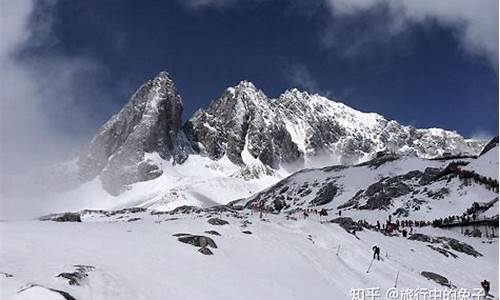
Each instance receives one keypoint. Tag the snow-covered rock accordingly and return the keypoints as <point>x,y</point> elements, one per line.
<point>299,127</point>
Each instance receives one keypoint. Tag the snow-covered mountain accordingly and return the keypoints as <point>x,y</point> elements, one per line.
<point>243,142</point>
<point>227,192</point>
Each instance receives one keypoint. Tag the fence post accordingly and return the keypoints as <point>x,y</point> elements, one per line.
<point>396,282</point>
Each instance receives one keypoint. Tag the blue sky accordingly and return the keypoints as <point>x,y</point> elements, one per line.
<point>425,63</point>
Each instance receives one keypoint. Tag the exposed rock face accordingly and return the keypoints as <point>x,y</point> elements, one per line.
<point>298,125</point>
<point>325,194</point>
<point>491,144</point>
<point>149,123</point>
<point>446,243</point>
<point>243,118</point>
<point>62,217</point>
<point>380,195</point>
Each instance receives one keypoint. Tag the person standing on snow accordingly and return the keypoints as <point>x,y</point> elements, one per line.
<point>485,284</point>
<point>376,252</point>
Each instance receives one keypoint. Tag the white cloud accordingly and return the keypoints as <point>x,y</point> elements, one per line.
<point>481,134</point>
<point>475,23</point>
<point>38,93</point>
<point>300,77</point>
<point>35,90</point>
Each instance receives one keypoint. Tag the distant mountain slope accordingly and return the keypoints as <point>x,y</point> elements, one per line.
<point>407,187</point>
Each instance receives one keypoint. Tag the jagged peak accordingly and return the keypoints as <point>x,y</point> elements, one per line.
<point>163,76</point>
<point>301,96</point>
<point>246,91</point>
<point>158,88</point>
<point>294,93</point>
<point>245,84</point>
<point>161,82</point>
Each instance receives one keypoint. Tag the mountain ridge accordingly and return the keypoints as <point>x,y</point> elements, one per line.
<point>256,132</point>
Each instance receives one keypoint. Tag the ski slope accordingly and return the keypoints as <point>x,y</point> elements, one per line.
<point>281,259</point>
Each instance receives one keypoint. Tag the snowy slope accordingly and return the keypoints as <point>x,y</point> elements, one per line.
<point>199,181</point>
<point>486,164</point>
<point>406,187</point>
<point>281,259</point>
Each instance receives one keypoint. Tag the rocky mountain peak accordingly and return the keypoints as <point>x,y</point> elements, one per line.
<point>294,94</point>
<point>245,84</point>
<point>160,94</point>
<point>149,123</point>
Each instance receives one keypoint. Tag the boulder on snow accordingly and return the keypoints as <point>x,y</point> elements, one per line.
<point>422,238</point>
<point>347,223</point>
<point>217,221</point>
<point>6,274</point>
<point>206,251</point>
<point>212,232</point>
<point>180,234</point>
<point>185,209</point>
<point>437,278</point>
<point>197,240</point>
<point>76,277</point>
<point>443,251</point>
<point>462,247</point>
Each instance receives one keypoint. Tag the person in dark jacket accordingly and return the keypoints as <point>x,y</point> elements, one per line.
<point>485,284</point>
<point>376,252</point>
